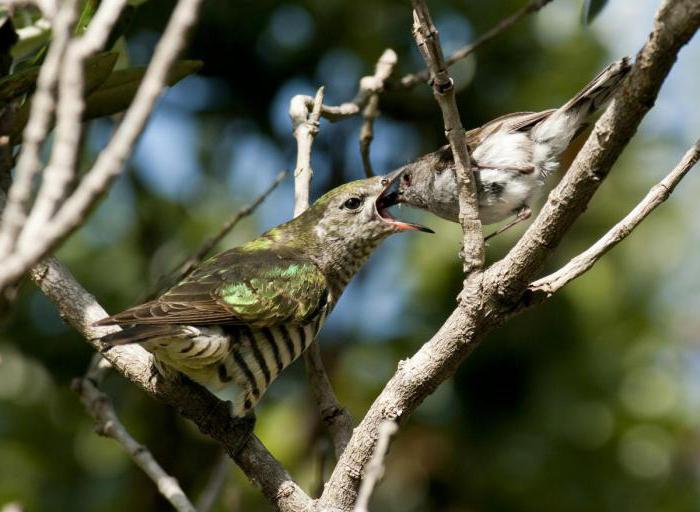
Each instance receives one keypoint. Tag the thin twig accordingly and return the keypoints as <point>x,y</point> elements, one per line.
<point>186,267</point>
<point>305,130</point>
<point>375,84</point>
<point>107,424</point>
<point>375,467</point>
<point>336,417</point>
<point>69,127</point>
<point>43,104</point>
<point>215,484</point>
<point>412,79</point>
<point>110,163</point>
<point>584,261</point>
<point>428,42</point>
<point>301,105</point>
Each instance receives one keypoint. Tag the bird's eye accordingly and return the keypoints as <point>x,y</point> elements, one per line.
<point>353,203</point>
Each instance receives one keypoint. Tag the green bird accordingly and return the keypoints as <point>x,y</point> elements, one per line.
<point>247,313</point>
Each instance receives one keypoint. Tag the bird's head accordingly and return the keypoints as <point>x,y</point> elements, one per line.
<point>358,212</point>
<point>430,183</point>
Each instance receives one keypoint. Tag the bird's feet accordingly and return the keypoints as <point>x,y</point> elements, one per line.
<point>522,214</point>
<point>241,428</point>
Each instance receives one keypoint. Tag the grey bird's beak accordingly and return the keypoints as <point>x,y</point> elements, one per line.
<point>390,197</point>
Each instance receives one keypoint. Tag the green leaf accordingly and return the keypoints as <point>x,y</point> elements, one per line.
<point>86,14</point>
<point>591,9</point>
<point>97,69</point>
<point>117,92</point>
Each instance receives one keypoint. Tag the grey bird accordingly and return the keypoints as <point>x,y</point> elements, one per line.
<point>247,313</point>
<point>512,157</point>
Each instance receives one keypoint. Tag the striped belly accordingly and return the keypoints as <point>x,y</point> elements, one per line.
<point>249,358</point>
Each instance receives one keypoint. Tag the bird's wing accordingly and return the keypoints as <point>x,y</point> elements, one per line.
<point>512,122</point>
<point>258,288</point>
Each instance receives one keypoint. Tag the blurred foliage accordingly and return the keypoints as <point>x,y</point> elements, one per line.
<point>589,402</point>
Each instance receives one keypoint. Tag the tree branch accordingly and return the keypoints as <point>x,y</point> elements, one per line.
<point>215,484</point>
<point>375,468</point>
<point>211,415</point>
<point>438,359</point>
<point>428,41</point>
<point>43,103</point>
<point>659,193</point>
<point>674,24</point>
<point>109,164</point>
<point>335,416</point>
<point>375,84</point>
<point>412,79</point>
<point>107,424</point>
<point>69,127</point>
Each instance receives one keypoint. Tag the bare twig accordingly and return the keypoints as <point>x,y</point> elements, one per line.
<point>107,424</point>
<point>375,84</point>
<point>186,267</point>
<point>215,484</point>
<point>70,106</point>
<point>584,261</point>
<point>428,42</point>
<point>368,85</point>
<point>111,160</point>
<point>211,415</point>
<point>413,79</point>
<point>305,129</point>
<point>375,467</point>
<point>336,417</point>
<point>43,103</point>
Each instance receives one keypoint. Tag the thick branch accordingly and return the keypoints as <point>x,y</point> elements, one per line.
<point>675,23</point>
<point>583,262</point>
<point>211,415</point>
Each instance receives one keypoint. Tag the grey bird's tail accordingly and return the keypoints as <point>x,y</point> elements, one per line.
<point>560,127</point>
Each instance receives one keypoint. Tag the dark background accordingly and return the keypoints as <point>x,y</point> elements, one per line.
<point>590,402</point>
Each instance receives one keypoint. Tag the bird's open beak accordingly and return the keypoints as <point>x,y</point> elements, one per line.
<point>390,197</point>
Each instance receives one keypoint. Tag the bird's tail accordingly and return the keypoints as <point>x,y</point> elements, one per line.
<point>140,334</point>
<point>565,122</point>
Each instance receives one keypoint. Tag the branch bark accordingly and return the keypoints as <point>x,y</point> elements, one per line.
<point>107,424</point>
<point>674,24</point>
<point>659,193</point>
<point>412,79</point>
<point>333,415</point>
<point>109,164</point>
<point>211,415</point>
<point>438,359</point>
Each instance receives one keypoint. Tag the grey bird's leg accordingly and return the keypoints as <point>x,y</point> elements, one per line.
<point>522,214</point>
<point>521,169</point>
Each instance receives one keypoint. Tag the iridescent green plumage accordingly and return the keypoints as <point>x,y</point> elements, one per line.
<point>248,312</point>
